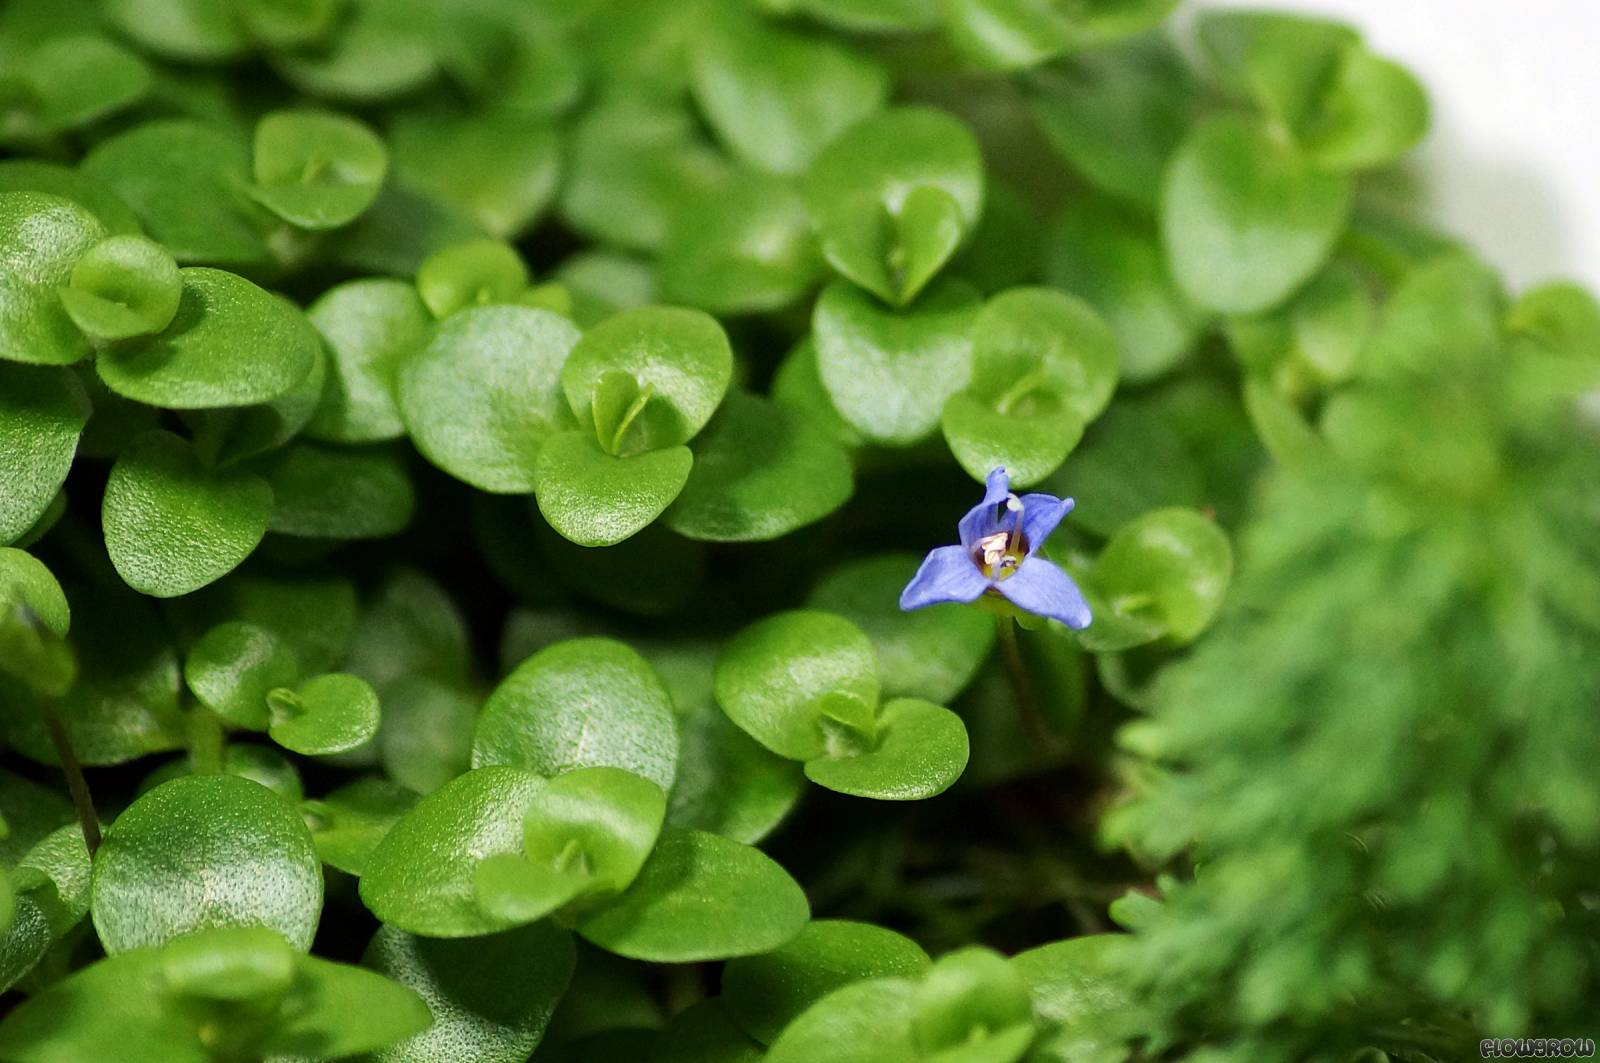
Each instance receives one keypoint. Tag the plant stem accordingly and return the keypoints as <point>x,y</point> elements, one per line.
<point>1033,721</point>
<point>77,786</point>
<point>205,741</point>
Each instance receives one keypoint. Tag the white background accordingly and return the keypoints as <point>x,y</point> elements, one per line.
<point>1513,161</point>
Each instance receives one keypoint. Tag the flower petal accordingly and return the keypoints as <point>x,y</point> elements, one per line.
<point>1040,515</point>
<point>983,518</point>
<point>1044,590</point>
<point>947,575</point>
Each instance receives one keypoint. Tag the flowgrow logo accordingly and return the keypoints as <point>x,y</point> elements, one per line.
<point>1537,1048</point>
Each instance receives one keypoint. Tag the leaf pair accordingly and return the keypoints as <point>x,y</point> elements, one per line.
<point>252,679</point>
<point>805,685</point>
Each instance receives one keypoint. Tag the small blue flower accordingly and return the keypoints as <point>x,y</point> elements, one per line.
<point>999,537</point>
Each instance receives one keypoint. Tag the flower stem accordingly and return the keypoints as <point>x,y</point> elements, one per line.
<point>77,785</point>
<point>1033,721</point>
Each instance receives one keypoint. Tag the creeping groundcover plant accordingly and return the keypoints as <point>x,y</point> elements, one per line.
<point>489,569</point>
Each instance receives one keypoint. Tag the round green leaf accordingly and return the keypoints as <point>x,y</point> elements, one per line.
<point>200,852</point>
<point>918,750</point>
<point>764,994</point>
<point>596,499</point>
<point>870,16</point>
<point>42,413</point>
<point>1130,462</point>
<point>1174,563</point>
<point>930,653</point>
<point>701,897</point>
<point>316,170</point>
<point>171,525</point>
<point>231,344</point>
<point>328,493</point>
<point>577,704</point>
<point>1031,444</point>
<point>41,237</point>
<point>1117,114</point>
<point>1112,259</point>
<point>760,471</point>
<point>258,763</point>
<point>798,386</point>
<point>746,247</point>
<point>481,397</point>
<point>727,783</point>
<point>370,327</point>
<point>789,679</point>
<point>235,433</point>
<point>420,878</point>
<point>893,197</point>
<point>426,736</point>
<point>26,583</point>
<point>183,179</point>
<point>234,666</point>
<point>348,823</point>
<point>77,80</point>
<point>499,168</point>
<point>974,1003</point>
<point>1031,340</point>
<point>122,287</point>
<point>889,372</point>
<point>411,628</point>
<point>1282,62</point>
<point>190,31</point>
<point>330,713</point>
<point>336,1011</point>
<point>383,51</point>
<point>776,96</point>
<point>703,1033</point>
<point>864,1022</point>
<point>491,997</point>
<point>1245,219</point>
<point>1074,983</point>
<point>679,360</point>
<point>1373,112</point>
<point>472,273</point>
<point>313,612</point>
<point>34,175</point>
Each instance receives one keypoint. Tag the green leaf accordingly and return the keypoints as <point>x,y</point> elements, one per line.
<point>258,763</point>
<point>491,996</point>
<point>1282,62</point>
<point>918,750</point>
<point>284,25</point>
<point>1116,115</point>
<point>26,583</point>
<point>931,653</point>
<point>67,182</point>
<point>727,783</point>
<point>889,372</point>
<point>233,434</point>
<point>335,1011</point>
<point>311,611</point>
<point>370,327</point>
<point>679,358</point>
<point>760,472</point>
<point>122,287</point>
<point>578,704</point>
<point>500,168</point>
<point>893,197</point>
<point>347,824</point>
<point>426,736</point>
<point>1373,112</point>
<point>47,893</point>
<point>331,493</point>
<point>585,838</point>
<point>473,273</point>
<point>1009,34</point>
<point>327,714</point>
<point>596,499</point>
<point>1043,366</point>
<point>774,96</point>
<point>864,1022</point>
<point>234,667</point>
<point>746,247</point>
<point>231,344</point>
<point>1130,462</point>
<point>1175,564</point>
<point>1245,219</point>
<point>798,386</point>
<point>190,31</point>
<point>171,525</point>
<point>481,398</point>
<point>1448,312</point>
<point>1074,983</point>
<point>703,1033</point>
<point>701,897</point>
<point>41,237</point>
<point>183,179</point>
<point>764,994</point>
<point>420,877</point>
<point>42,413</point>
<point>316,170</point>
<point>124,704</point>
<point>634,162</point>
<point>972,998</point>
<point>411,628</point>
<point>871,16</point>
<point>788,679</point>
<point>200,852</point>
<point>78,80</point>
<point>383,51</point>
